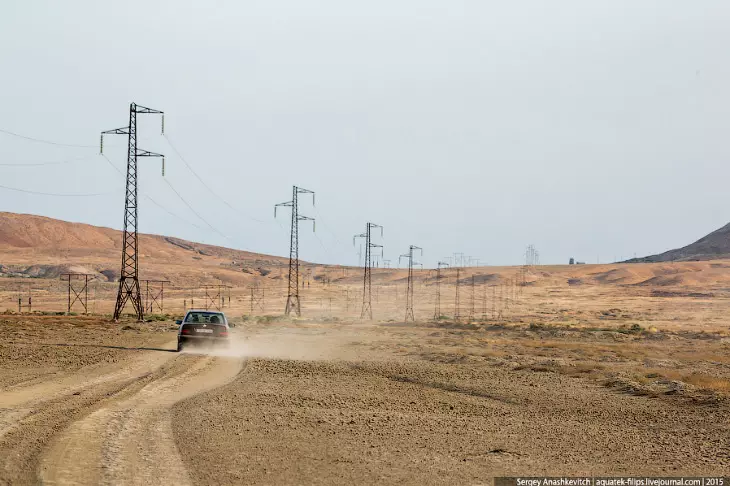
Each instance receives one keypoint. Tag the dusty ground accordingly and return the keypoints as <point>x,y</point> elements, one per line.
<point>600,381</point>
<point>587,370</point>
<point>433,405</point>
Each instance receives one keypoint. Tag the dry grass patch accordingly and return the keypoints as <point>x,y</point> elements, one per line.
<point>707,382</point>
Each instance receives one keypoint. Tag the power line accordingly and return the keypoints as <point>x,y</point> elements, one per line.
<point>216,194</point>
<point>39,164</point>
<point>39,140</point>
<point>39,193</point>
<point>195,212</point>
<point>326,226</point>
<point>146,196</point>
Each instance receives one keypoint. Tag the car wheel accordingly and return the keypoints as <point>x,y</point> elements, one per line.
<point>179,345</point>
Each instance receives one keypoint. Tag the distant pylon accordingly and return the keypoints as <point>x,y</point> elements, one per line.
<point>292,297</point>
<point>457,304</point>
<point>409,291</point>
<point>129,277</point>
<point>367,305</point>
<point>437,310</point>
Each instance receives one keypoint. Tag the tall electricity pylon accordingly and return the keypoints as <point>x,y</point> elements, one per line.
<point>367,308</point>
<point>129,277</point>
<point>292,296</point>
<point>437,310</point>
<point>409,291</point>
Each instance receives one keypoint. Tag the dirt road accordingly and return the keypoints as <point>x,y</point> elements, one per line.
<point>128,439</point>
<point>104,423</point>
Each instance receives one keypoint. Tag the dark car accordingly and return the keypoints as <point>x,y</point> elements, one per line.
<point>203,327</point>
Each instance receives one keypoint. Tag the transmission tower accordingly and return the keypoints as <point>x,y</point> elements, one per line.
<point>484,302</point>
<point>472,310</point>
<point>437,310</point>
<point>367,308</point>
<point>129,278</point>
<point>409,291</point>
<point>292,297</point>
<point>456,297</point>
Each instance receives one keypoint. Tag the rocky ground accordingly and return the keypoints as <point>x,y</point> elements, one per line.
<point>86,401</point>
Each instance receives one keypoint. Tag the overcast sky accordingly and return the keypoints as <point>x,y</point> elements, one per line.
<point>593,129</point>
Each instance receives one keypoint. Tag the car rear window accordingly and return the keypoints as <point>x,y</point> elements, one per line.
<point>205,317</point>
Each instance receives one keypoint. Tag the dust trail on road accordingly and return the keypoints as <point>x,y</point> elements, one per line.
<point>129,440</point>
<point>292,342</point>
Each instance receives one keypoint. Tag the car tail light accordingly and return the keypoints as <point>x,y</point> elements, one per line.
<point>186,331</point>
<point>223,333</point>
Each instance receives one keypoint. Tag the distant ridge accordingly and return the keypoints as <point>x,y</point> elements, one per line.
<point>714,246</point>
<point>41,247</point>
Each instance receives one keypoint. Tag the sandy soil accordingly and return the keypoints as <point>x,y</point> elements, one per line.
<point>427,405</point>
<point>85,401</point>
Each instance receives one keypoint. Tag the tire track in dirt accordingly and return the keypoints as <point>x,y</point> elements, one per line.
<point>129,439</point>
<point>31,415</point>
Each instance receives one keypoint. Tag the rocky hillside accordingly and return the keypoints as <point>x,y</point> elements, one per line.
<point>714,246</point>
<point>41,247</point>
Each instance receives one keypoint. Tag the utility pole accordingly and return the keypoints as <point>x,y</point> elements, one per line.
<point>409,291</point>
<point>367,308</point>
<point>129,278</point>
<point>81,295</point>
<point>458,259</point>
<point>494,301</point>
<point>256,300</point>
<point>501,299</point>
<point>484,302</point>
<point>215,296</point>
<point>156,298</point>
<point>437,310</point>
<point>29,305</point>
<point>456,297</point>
<point>292,297</point>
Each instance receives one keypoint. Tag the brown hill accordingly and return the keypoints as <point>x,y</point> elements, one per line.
<point>40,247</point>
<point>714,246</point>
<point>37,246</point>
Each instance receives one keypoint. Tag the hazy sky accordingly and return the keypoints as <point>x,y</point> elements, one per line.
<point>593,129</point>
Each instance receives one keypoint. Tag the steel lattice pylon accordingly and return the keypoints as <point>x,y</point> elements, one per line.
<point>129,278</point>
<point>409,291</point>
<point>437,309</point>
<point>367,306</point>
<point>457,303</point>
<point>293,302</point>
